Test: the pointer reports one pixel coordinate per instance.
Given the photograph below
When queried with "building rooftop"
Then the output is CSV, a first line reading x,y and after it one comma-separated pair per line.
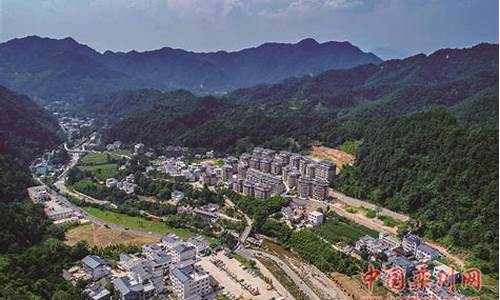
x,y
93,261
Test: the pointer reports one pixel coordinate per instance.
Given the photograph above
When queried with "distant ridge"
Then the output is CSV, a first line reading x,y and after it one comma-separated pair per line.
x,y
63,68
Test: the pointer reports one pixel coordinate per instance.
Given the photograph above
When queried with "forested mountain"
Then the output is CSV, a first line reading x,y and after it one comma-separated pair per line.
x,y
304,110
442,172
32,253
446,77
54,69
26,129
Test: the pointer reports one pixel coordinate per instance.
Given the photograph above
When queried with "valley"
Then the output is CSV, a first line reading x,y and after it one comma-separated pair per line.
x,y
308,170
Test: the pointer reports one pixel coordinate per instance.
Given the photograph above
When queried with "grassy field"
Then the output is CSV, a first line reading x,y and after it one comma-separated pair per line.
x,y
138,223
336,231
351,147
101,158
101,236
103,171
142,224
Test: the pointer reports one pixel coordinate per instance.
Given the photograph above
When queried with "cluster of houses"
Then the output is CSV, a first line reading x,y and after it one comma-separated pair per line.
x,y
46,166
127,184
296,214
160,268
267,172
54,207
74,126
409,254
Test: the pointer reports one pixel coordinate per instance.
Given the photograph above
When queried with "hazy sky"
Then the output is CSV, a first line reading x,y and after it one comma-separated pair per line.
x,y
401,27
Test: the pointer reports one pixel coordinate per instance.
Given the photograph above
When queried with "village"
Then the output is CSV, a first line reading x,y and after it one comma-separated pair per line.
x,y
191,269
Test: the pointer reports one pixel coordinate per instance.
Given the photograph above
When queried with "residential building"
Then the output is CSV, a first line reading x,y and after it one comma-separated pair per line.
x,y
227,172
96,292
200,243
262,191
247,189
60,213
182,252
190,282
325,170
275,182
38,194
390,241
139,148
132,290
319,189
426,252
209,178
410,243
315,218
170,241
401,262
447,273
95,266
304,187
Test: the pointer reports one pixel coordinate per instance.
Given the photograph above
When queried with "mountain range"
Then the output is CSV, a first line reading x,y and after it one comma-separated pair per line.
x,y
65,69
463,81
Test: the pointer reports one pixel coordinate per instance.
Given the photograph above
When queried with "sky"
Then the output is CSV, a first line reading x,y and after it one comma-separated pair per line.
x,y
390,28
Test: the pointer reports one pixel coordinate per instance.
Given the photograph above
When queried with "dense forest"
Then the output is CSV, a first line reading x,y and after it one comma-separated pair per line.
x,y
440,171
298,112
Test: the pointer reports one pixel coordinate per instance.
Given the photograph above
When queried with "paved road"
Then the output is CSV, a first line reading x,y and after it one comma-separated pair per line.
x,y
360,203
293,276
251,253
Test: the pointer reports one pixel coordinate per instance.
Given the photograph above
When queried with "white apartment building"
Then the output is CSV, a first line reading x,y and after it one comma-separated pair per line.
x,y
315,218
190,282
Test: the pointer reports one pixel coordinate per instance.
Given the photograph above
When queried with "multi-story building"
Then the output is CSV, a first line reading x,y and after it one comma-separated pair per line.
x,y
410,243
169,241
182,252
237,185
262,191
227,172
275,182
244,158
315,218
254,162
311,170
247,188
319,189
276,166
200,244
304,187
232,161
295,160
38,194
209,178
190,282
426,252
325,170
133,290
95,266
390,241
242,169
265,165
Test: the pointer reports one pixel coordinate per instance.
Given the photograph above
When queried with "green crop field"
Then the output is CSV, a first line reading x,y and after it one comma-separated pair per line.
x,y
102,172
93,159
137,223
336,231
142,224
